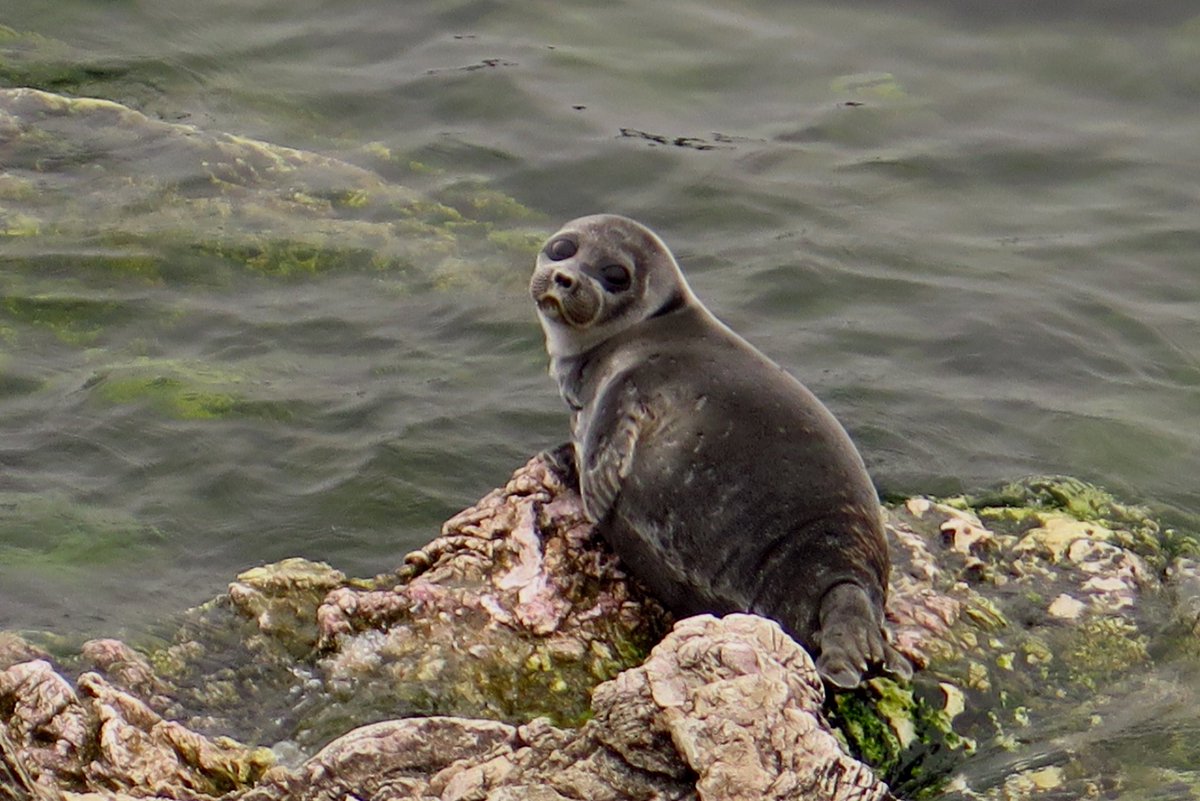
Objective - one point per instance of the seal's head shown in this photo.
(600, 275)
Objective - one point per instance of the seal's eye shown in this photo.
(560, 249)
(616, 278)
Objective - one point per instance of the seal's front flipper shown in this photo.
(608, 451)
(562, 461)
(850, 637)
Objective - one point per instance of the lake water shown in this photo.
(971, 228)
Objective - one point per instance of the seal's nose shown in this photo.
(563, 280)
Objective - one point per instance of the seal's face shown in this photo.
(598, 276)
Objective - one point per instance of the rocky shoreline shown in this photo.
(512, 658)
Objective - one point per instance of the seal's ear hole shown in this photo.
(616, 277)
(561, 248)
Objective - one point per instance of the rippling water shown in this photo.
(969, 227)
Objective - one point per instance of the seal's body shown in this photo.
(722, 483)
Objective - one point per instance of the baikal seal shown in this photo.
(721, 482)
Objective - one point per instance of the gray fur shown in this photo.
(722, 483)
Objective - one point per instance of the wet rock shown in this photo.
(1052, 603)
(96, 737)
(127, 669)
(282, 600)
(14, 649)
(722, 709)
(1183, 582)
(517, 610)
(508, 659)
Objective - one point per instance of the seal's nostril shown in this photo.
(564, 280)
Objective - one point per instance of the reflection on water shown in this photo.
(969, 227)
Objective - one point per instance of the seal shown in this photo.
(720, 481)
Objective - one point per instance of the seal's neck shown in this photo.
(560, 342)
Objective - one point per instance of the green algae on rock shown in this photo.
(1132, 527)
(74, 320)
(1055, 608)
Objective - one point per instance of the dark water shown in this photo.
(971, 228)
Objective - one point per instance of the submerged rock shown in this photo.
(153, 196)
(508, 659)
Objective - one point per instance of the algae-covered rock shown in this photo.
(15, 649)
(52, 534)
(1051, 595)
(517, 611)
(106, 213)
(283, 598)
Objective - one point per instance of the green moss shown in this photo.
(431, 212)
(16, 224)
(283, 599)
(278, 212)
(168, 663)
(421, 168)
(354, 199)
(397, 165)
(292, 259)
(905, 732)
(519, 243)
(985, 614)
(14, 187)
(240, 769)
(1078, 498)
(170, 396)
(33, 60)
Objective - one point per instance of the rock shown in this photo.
(1183, 577)
(14, 649)
(511, 658)
(517, 610)
(723, 709)
(103, 739)
(127, 669)
(282, 599)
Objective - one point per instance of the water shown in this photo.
(969, 227)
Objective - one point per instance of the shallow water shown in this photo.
(969, 228)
